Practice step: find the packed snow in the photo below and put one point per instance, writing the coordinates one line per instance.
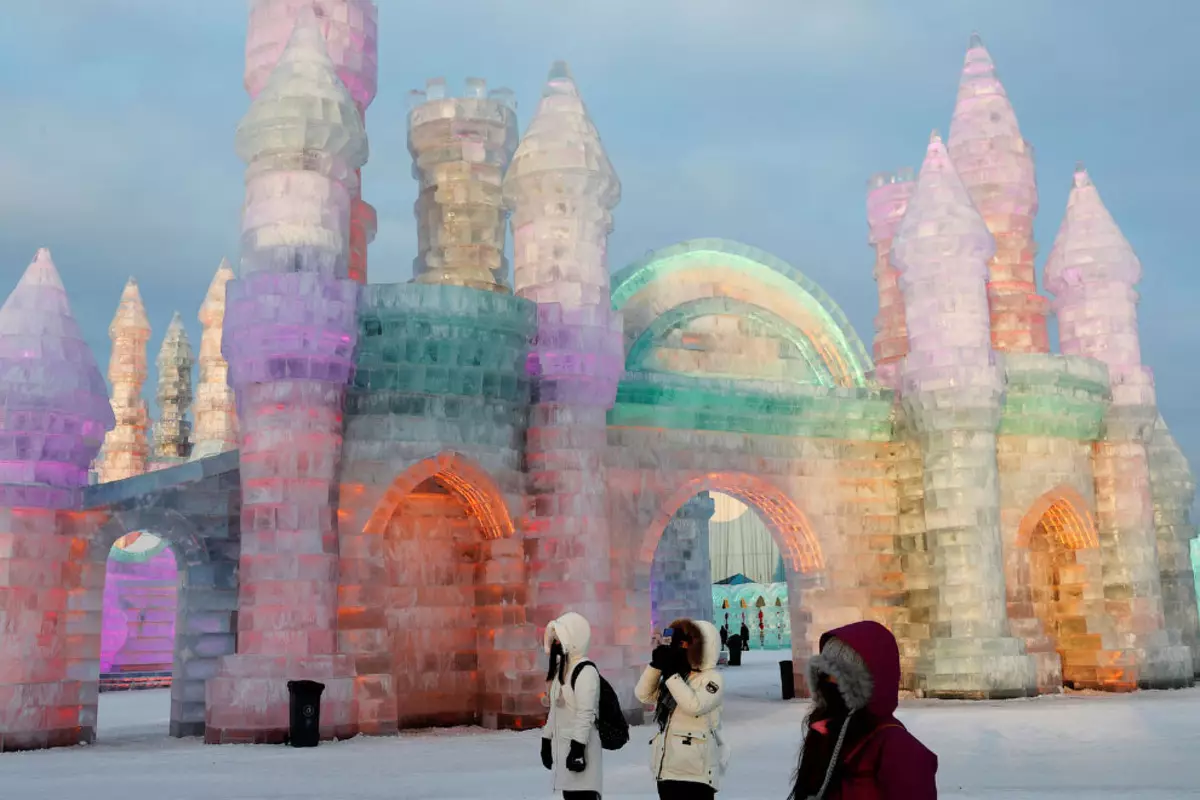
(1144, 746)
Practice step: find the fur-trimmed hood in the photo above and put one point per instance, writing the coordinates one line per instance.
(704, 643)
(573, 633)
(865, 660)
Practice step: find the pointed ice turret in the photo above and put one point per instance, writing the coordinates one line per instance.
(561, 188)
(172, 432)
(125, 447)
(54, 407)
(996, 165)
(887, 202)
(215, 410)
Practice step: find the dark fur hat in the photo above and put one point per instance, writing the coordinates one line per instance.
(695, 639)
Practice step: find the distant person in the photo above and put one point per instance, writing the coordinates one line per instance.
(745, 634)
(724, 636)
(688, 756)
(570, 740)
(854, 748)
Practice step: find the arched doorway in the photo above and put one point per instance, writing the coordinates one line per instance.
(426, 592)
(141, 602)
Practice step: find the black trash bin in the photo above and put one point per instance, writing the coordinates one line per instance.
(305, 716)
(735, 650)
(787, 680)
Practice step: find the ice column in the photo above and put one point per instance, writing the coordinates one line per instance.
(172, 432)
(351, 32)
(996, 165)
(887, 200)
(125, 447)
(216, 415)
(561, 190)
(54, 410)
(289, 340)
(460, 148)
(1092, 271)
(952, 393)
(681, 574)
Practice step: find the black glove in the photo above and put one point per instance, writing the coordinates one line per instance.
(547, 757)
(577, 758)
(661, 658)
(679, 661)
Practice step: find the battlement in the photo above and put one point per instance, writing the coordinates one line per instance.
(887, 200)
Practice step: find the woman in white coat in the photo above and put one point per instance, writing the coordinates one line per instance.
(570, 741)
(688, 756)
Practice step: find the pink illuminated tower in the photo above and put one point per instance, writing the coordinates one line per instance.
(996, 165)
(52, 421)
(952, 394)
(351, 32)
(1092, 271)
(561, 190)
(887, 200)
(289, 339)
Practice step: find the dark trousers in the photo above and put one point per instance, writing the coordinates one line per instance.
(581, 796)
(685, 790)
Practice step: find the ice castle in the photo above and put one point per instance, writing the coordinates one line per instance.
(391, 488)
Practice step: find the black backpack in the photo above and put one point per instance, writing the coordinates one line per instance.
(610, 722)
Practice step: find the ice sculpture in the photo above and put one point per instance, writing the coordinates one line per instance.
(216, 414)
(172, 432)
(1091, 271)
(887, 200)
(289, 340)
(460, 148)
(54, 411)
(996, 165)
(952, 392)
(125, 448)
(351, 33)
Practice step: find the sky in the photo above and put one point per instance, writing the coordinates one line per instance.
(753, 120)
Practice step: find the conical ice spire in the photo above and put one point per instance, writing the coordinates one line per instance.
(49, 381)
(304, 106)
(172, 432)
(131, 313)
(1089, 247)
(125, 446)
(216, 415)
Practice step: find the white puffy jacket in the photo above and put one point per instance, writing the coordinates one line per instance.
(691, 747)
(573, 710)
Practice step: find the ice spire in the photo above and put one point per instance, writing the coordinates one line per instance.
(996, 165)
(887, 201)
(216, 413)
(172, 432)
(52, 383)
(125, 447)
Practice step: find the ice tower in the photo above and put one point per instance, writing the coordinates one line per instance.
(952, 393)
(54, 411)
(125, 447)
(887, 200)
(351, 32)
(561, 190)
(289, 340)
(996, 165)
(216, 414)
(1092, 271)
(173, 431)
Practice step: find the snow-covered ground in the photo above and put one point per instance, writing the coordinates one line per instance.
(1144, 746)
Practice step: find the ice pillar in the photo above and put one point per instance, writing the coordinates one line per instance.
(54, 411)
(996, 165)
(289, 340)
(173, 431)
(887, 200)
(952, 393)
(351, 32)
(561, 190)
(1092, 271)
(681, 575)
(216, 414)
(461, 147)
(125, 447)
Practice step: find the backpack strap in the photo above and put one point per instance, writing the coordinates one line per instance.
(578, 669)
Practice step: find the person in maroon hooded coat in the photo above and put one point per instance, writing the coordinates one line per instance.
(854, 749)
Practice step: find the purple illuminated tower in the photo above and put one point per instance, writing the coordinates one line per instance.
(561, 190)
(54, 412)
(289, 340)
(996, 165)
(887, 200)
(351, 33)
(1092, 271)
(952, 394)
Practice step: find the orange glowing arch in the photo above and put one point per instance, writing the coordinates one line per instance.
(1065, 514)
(461, 477)
(788, 526)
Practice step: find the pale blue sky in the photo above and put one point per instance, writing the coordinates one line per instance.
(754, 120)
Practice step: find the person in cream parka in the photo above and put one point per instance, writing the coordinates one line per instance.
(688, 754)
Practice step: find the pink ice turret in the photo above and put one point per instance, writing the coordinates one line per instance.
(289, 338)
(126, 449)
(887, 200)
(996, 165)
(351, 32)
